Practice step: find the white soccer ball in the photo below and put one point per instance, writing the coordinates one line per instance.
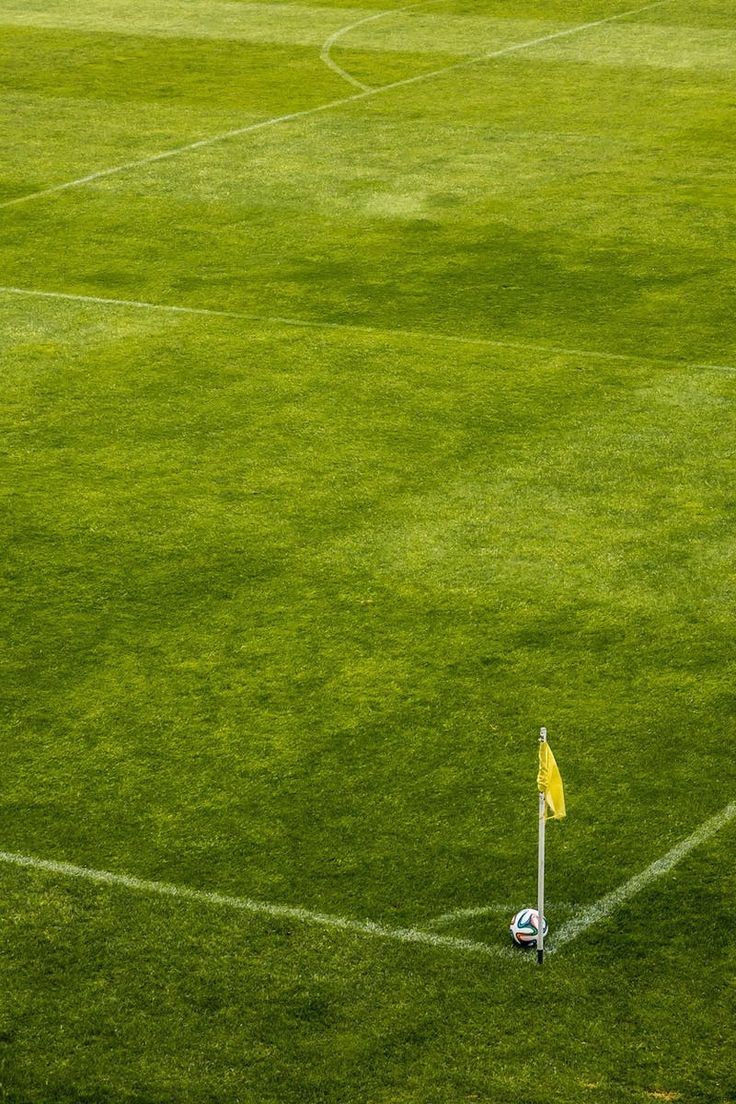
(525, 926)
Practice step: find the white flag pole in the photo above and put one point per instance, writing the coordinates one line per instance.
(540, 867)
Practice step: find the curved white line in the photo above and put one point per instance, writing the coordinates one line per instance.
(330, 42)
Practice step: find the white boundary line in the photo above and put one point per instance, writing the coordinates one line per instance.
(275, 120)
(247, 904)
(579, 924)
(370, 331)
(593, 914)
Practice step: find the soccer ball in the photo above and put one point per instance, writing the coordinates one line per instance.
(524, 928)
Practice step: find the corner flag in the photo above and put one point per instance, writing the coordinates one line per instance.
(551, 806)
(549, 783)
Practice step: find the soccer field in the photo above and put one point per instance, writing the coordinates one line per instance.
(367, 402)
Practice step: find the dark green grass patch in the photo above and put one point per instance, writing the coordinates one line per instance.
(257, 78)
(382, 66)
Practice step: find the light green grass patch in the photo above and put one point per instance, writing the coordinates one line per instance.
(285, 23)
(640, 44)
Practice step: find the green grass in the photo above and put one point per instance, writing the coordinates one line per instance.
(283, 607)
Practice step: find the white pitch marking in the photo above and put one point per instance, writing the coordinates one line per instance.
(336, 35)
(263, 908)
(613, 901)
(569, 931)
(275, 120)
(330, 42)
(371, 331)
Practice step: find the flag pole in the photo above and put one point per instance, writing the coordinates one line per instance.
(540, 867)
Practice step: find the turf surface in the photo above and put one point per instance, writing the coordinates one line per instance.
(284, 605)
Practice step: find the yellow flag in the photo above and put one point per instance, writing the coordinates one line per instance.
(549, 782)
